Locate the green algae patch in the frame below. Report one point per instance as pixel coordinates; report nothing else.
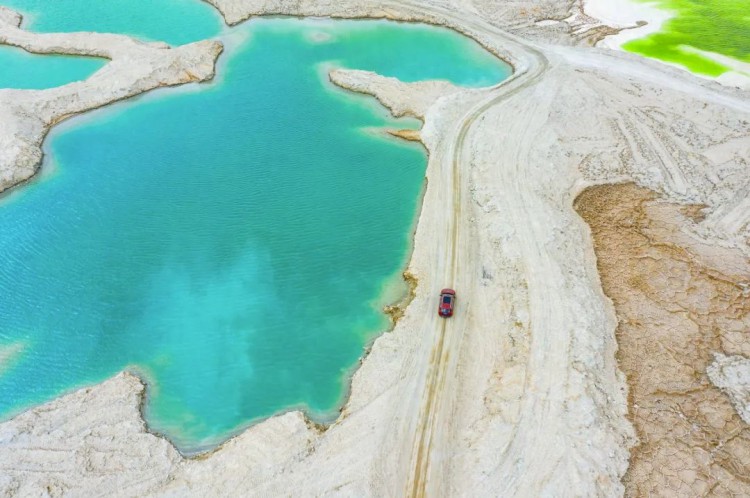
(719, 26)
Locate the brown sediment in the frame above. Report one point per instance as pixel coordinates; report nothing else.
(396, 311)
(677, 302)
(411, 135)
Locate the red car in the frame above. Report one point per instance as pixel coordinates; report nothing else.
(447, 301)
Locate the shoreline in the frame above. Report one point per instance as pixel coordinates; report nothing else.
(530, 355)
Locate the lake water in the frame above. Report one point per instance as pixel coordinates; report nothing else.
(234, 242)
(23, 70)
(172, 21)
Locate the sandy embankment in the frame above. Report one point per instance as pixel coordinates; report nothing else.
(517, 395)
(135, 67)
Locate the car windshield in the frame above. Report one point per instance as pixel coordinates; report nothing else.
(446, 299)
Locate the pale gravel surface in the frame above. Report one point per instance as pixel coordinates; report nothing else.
(638, 19)
(402, 99)
(135, 67)
(518, 394)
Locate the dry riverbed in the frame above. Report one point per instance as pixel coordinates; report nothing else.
(678, 303)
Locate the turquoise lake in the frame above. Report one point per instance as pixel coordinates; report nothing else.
(233, 242)
(23, 70)
(172, 21)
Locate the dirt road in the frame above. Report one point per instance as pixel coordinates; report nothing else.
(431, 440)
